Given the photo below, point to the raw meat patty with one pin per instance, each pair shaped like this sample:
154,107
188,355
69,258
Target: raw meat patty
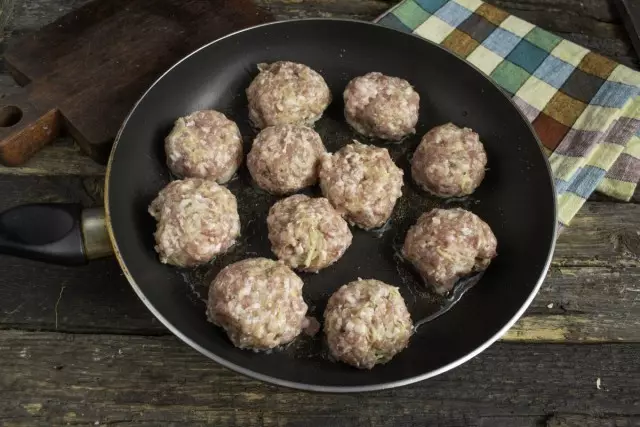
306,233
204,144
449,162
362,183
287,93
285,158
258,302
447,244
380,106
367,323
197,219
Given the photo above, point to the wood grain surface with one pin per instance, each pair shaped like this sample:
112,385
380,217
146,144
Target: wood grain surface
79,348
78,380
81,79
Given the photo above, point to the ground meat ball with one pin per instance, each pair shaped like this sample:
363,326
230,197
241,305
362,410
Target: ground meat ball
449,162
447,244
285,158
204,144
287,93
258,302
306,233
366,323
381,106
362,183
197,220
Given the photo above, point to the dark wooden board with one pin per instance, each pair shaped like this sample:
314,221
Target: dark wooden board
53,379
85,71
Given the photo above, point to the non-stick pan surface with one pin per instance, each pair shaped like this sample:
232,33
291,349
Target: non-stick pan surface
516,199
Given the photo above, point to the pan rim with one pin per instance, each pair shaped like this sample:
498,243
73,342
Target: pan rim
306,386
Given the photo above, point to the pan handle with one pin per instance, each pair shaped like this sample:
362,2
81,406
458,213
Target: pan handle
57,233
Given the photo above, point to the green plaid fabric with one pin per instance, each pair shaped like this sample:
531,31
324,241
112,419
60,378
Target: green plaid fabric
584,107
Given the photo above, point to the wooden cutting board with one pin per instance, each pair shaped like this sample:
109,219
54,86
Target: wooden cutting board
83,73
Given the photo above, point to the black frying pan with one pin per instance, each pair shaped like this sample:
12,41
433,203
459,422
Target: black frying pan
516,199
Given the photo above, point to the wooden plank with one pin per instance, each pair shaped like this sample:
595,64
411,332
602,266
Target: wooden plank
599,10
602,239
594,17
62,157
571,17
36,13
32,15
73,300
75,62
602,234
590,295
589,23
575,328
592,22
598,28
6,13
583,304
32,189
52,378
94,297
580,289
570,420
359,9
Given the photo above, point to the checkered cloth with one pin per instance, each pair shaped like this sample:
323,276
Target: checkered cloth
584,107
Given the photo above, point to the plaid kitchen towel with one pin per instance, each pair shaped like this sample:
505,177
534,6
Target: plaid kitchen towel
584,107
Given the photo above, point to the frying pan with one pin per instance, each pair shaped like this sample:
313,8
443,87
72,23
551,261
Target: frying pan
517,199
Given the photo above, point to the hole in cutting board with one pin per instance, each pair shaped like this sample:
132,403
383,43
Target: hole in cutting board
9,116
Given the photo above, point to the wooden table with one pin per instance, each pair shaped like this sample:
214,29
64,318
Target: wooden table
77,347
